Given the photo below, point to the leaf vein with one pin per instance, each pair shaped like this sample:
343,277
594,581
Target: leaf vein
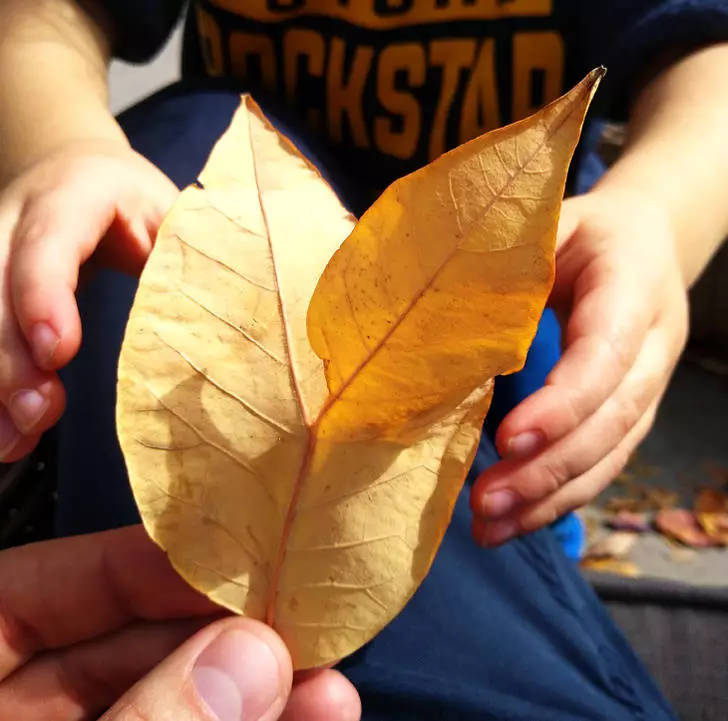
223,264
333,397
231,394
218,447
232,325
351,544
360,491
206,514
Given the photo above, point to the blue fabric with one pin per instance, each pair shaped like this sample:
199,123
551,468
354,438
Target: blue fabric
391,84
628,35
513,633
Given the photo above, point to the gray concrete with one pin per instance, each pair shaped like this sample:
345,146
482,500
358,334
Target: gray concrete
690,435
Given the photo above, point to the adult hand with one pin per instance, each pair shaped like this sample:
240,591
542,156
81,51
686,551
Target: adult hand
83,619
622,302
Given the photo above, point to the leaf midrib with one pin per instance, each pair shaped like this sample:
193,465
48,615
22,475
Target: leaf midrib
371,354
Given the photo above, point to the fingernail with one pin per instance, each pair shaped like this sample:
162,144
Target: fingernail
498,533
44,341
237,677
526,444
498,503
27,408
9,436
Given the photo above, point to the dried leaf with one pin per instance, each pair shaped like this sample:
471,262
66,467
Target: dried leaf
431,304
623,479
641,498
711,500
316,499
616,566
681,525
628,521
715,526
618,504
644,470
615,545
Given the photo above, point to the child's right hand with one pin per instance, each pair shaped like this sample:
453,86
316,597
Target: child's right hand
91,197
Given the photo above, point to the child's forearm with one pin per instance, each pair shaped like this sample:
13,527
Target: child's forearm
53,69
677,154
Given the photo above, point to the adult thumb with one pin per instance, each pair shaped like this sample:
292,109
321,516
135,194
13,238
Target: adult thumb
233,670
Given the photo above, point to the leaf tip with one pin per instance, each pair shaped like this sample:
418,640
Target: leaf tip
593,79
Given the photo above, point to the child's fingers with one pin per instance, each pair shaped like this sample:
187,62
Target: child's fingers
603,337
54,236
32,400
507,485
573,495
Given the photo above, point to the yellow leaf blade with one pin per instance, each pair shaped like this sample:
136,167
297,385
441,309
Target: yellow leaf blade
445,277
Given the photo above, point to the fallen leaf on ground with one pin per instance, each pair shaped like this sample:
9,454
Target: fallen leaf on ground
624,478
614,545
711,510
711,500
314,495
616,566
716,526
681,525
628,521
641,498
644,470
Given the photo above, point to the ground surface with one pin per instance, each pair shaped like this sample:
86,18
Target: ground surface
687,448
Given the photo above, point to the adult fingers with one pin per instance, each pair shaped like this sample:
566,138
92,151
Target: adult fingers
508,484
81,681
13,444
573,495
323,695
235,670
58,593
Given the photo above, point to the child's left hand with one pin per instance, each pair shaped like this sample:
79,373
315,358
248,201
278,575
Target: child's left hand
622,301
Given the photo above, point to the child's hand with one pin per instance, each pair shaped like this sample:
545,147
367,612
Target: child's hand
52,219
622,301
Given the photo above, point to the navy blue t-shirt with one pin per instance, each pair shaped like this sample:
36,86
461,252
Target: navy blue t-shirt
391,84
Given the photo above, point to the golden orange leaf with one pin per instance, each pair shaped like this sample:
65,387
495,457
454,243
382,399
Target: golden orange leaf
716,526
682,525
614,566
446,275
711,500
258,480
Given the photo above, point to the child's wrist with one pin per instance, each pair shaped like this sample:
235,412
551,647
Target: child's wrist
30,151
